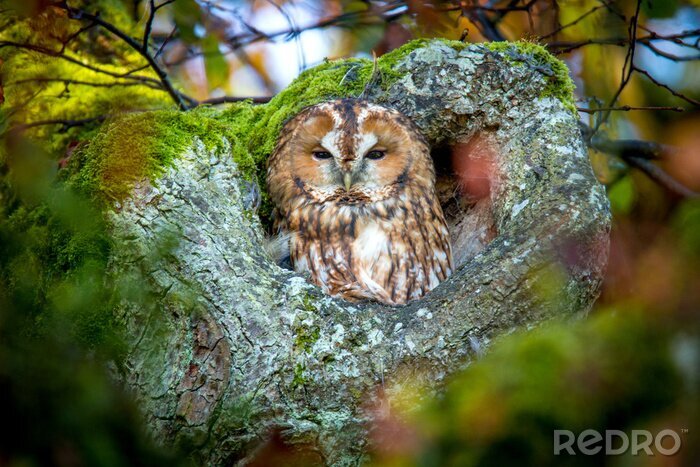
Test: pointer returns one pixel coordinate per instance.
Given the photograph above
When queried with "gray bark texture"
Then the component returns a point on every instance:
(238, 347)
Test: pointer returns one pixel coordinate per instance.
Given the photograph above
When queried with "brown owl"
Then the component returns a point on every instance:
(353, 186)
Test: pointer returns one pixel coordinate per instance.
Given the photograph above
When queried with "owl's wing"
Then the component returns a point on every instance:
(277, 247)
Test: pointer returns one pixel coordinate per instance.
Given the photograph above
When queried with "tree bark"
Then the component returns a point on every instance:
(237, 346)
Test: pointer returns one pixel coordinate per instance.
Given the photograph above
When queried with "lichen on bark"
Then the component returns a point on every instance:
(238, 347)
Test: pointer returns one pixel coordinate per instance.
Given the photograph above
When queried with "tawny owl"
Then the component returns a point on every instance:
(353, 186)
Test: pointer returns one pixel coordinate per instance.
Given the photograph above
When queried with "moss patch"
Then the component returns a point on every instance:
(299, 376)
(306, 337)
(559, 82)
(137, 146)
(53, 254)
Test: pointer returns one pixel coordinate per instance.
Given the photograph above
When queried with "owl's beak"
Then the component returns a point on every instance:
(347, 180)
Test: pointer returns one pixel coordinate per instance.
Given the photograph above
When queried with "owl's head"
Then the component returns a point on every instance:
(350, 152)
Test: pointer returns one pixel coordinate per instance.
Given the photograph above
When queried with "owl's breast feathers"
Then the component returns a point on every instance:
(393, 251)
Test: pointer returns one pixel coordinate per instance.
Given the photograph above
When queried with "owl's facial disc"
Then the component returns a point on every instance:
(342, 151)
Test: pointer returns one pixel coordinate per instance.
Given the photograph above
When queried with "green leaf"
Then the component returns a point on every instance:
(686, 223)
(215, 63)
(659, 8)
(622, 195)
(186, 14)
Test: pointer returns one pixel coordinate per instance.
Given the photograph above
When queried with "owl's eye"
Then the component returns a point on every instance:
(374, 155)
(322, 155)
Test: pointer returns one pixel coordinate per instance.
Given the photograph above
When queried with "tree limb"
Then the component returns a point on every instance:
(240, 347)
(79, 14)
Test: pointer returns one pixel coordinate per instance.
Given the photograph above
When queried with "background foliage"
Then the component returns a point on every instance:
(70, 68)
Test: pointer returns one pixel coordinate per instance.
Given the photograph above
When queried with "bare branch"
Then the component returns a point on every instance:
(565, 47)
(231, 99)
(82, 83)
(568, 46)
(57, 54)
(627, 108)
(639, 154)
(661, 177)
(165, 42)
(628, 67)
(675, 58)
(633, 148)
(572, 23)
(135, 70)
(72, 37)
(76, 13)
(149, 25)
(66, 124)
(668, 88)
(153, 8)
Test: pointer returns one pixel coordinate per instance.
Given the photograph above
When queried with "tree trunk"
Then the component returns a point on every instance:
(238, 347)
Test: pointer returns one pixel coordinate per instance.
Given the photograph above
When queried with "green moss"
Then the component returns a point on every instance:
(305, 337)
(132, 147)
(54, 252)
(308, 302)
(299, 377)
(560, 85)
(39, 87)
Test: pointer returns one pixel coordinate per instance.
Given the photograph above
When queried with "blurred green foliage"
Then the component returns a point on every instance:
(622, 195)
(54, 249)
(621, 370)
(62, 405)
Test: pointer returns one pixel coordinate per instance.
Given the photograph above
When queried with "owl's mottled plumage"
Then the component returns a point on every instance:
(353, 186)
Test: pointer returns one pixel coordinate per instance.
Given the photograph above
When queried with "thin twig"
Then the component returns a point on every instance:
(57, 54)
(153, 8)
(627, 108)
(572, 23)
(668, 88)
(149, 25)
(72, 37)
(65, 123)
(633, 148)
(162, 46)
(639, 154)
(661, 177)
(568, 46)
(81, 83)
(628, 67)
(78, 14)
(673, 57)
(230, 99)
